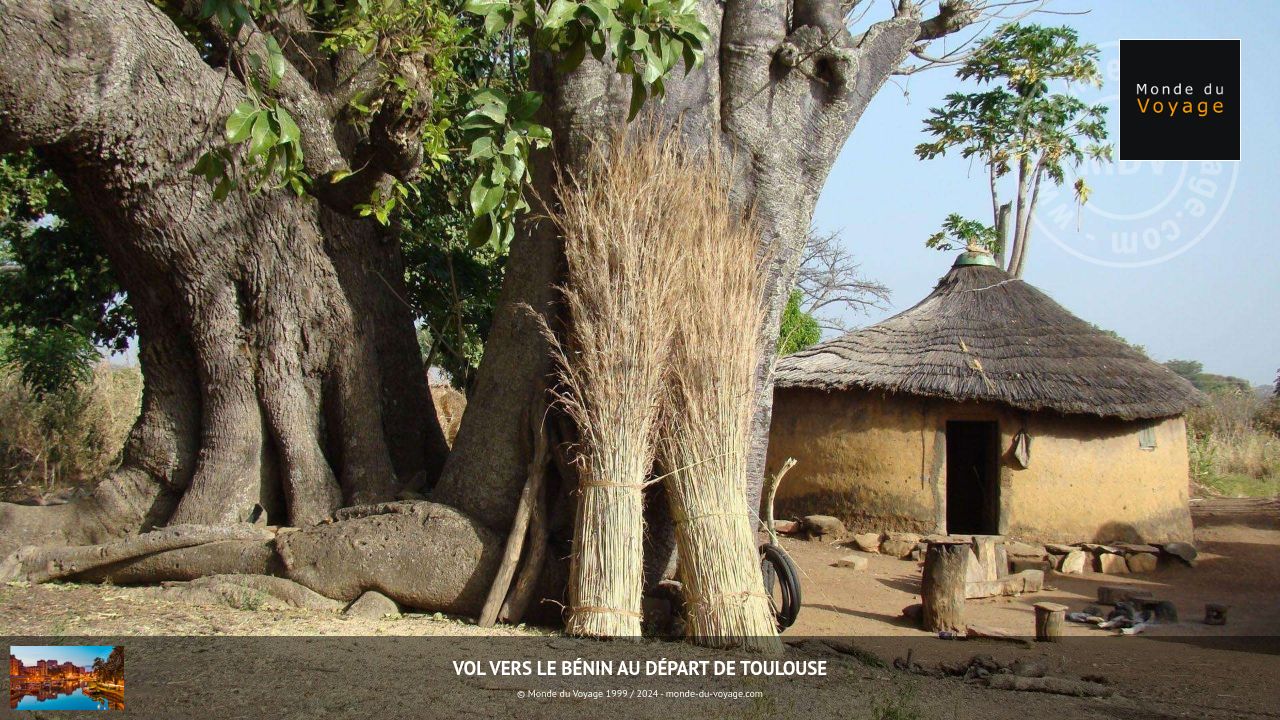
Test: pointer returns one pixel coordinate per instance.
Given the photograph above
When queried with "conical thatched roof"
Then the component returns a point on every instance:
(983, 335)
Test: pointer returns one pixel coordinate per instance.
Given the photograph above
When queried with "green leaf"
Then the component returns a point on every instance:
(637, 97)
(240, 121)
(526, 104)
(289, 132)
(480, 230)
(573, 57)
(484, 196)
(340, 175)
(275, 62)
(560, 12)
(482, 148)
(261, 136)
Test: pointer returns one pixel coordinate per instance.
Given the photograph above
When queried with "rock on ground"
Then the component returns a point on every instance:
(853, 562)
(372, 605)
(820, 526)
(867, 542)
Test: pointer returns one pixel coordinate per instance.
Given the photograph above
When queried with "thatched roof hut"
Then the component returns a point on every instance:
(968, 378)
(984, 336)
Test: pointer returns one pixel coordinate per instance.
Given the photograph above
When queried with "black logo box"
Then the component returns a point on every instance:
(1185, 65)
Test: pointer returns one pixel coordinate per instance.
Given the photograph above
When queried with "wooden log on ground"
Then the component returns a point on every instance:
(1049, 621)
(943, 587)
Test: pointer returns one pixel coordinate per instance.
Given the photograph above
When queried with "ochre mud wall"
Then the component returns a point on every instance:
(879, 463)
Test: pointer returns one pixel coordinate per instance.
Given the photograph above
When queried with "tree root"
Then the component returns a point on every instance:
(249, 592)
(43, 563)
(420, 554)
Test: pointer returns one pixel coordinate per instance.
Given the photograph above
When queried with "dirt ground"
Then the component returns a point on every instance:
(1185, 669)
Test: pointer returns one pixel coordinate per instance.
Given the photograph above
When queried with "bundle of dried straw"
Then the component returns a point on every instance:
(664, 307)
(613, 218)
(718, 315)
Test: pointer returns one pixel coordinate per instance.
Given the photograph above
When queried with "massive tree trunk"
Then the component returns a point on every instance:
(781, 89)
(281, 370)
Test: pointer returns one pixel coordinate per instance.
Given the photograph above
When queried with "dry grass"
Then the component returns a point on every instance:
(1234, 447)
(718, 311)
(614, 218)
(64, 441)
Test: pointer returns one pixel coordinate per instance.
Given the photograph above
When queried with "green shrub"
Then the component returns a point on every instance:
(64, 439)
(1233, 445)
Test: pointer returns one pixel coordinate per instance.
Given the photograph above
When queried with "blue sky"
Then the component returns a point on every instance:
(82, 655)
(1203, 290)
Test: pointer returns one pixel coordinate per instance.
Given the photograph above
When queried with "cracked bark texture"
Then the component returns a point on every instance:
(782, 88)
(281, 369)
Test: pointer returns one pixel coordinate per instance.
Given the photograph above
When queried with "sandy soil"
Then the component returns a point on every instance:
(1182, 670)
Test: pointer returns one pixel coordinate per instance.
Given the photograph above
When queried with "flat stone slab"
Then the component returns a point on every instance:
(853, 562)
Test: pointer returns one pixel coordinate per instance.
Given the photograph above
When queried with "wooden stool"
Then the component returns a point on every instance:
(1049, 619)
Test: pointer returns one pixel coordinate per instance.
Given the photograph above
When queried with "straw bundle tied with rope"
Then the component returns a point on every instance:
(614, 218)
(706, 419)
(663, 309)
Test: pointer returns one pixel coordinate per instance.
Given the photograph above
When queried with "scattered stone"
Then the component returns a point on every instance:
(1137, 548)
(1164, 611)
(1016, 548)
(1032, 580)
(897, 548)
(821, 526)
(908, 537)
(1110, 564)
(1186, 552)
(1073, 563)
(983, 589)
(1142, 562)
(372, 605)
(913, 612)
(786, 527)
(1112, 594)
(867, 542)
(1095, 548)
(1018, 564)
(853, 562)
(1057, 549)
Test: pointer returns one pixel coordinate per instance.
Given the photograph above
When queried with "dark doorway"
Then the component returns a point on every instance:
(973, 478)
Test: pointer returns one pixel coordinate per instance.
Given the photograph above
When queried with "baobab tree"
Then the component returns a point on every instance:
(282, 377)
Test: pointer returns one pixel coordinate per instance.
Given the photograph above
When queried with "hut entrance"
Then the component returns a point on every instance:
(973, 472)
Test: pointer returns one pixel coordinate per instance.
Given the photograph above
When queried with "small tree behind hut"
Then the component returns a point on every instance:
(1019, 128)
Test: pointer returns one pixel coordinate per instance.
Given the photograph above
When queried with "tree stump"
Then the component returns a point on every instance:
(1049, 619)
(942, 589)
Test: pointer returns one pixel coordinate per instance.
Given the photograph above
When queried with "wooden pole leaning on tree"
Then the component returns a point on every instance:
(942, 588)
(1049, 621)
(529, 499)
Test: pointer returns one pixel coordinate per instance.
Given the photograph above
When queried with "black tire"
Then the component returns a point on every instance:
(778, 568)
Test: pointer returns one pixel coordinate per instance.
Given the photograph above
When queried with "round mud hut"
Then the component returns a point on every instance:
(985, 409)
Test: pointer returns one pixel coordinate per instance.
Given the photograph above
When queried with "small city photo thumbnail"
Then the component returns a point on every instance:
(66, 677)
